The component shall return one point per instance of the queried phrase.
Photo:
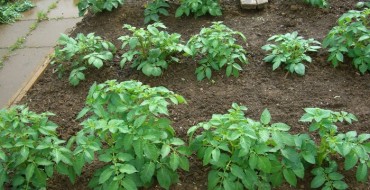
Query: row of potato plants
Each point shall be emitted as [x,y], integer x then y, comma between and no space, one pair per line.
[126,126]
[152,50]
[155,8]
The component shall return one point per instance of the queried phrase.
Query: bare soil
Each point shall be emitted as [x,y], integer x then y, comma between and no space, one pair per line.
[341,88]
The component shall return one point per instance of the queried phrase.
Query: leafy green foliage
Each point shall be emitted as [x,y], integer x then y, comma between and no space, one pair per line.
[97,5]
[30,150]
[351,38]
[361,5]
[217,44]
[150,50]
[81,53]
[354,149]
[153,9]
[11,11]
[329,177]
[199,8]
[139,142]
[247,154]
[290,50]
[317,3]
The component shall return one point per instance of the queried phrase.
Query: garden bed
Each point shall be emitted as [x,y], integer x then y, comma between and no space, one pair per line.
[257,87]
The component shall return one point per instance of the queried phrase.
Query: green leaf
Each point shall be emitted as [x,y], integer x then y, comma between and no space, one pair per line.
[177,142]
[139,121]
[339,56]
[290,177]
[213,179]
[163,178]
[129,184]
[216,154]
[127,168]
[340,185]
[17,180]
[147,172]
[335,176]
[277,179]
[253,161]
[151,151]
[124,157]
[29,171]
[299,69]
[208,73]
[43,161]
[105,175]
[265,117]
[264,164]
[229,69]
[237,171]
[78,163]
[361,173]
[281,126]
[184,163]
[24,152]
[2,155]
[317,181]
[107,157]
[174,161]
[40,178]
[309,157]
[228,185]
[350,161]
[165,150]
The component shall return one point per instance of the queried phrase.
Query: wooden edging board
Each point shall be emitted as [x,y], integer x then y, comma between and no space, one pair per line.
[17,97]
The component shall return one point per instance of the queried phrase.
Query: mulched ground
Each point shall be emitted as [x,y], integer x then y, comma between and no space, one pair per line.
[257,87]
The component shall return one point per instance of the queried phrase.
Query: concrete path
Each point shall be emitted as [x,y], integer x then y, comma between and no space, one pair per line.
[23,62]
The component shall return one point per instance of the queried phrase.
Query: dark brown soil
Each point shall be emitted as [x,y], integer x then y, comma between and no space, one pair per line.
[257,87]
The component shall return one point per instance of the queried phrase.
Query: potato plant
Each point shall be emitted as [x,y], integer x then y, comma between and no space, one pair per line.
[247,154]
[353,148]
[199,8]
[150,49]
[351,38]
[30,149]
[81,53]
[219,48]
[153,9]
[290,49]
[127,129]
[96,6]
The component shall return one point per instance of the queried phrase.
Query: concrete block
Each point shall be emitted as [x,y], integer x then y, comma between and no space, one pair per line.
[248,4]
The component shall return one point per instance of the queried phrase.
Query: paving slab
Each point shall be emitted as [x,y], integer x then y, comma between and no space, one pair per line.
[18,69]
[65,9]
[40,5]
[11,32]
[3,52]
[48,32]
